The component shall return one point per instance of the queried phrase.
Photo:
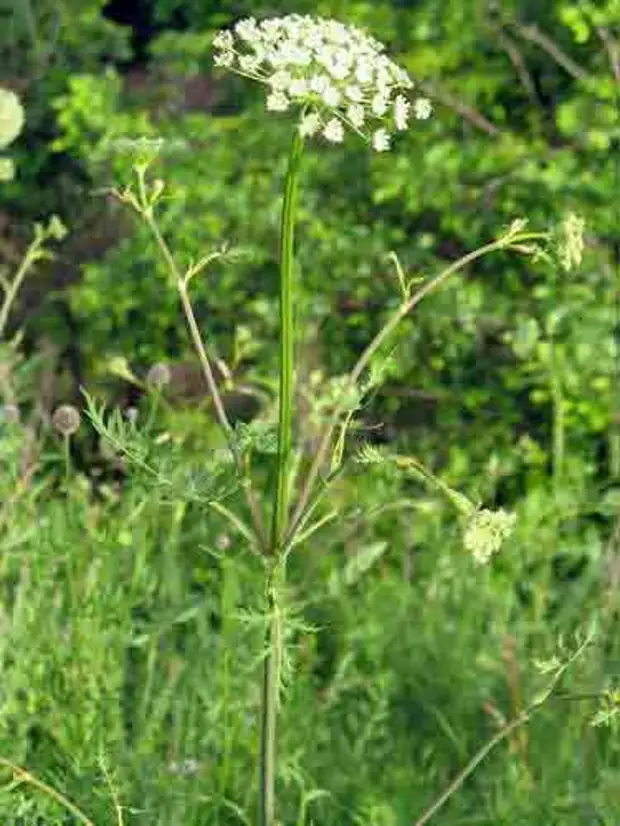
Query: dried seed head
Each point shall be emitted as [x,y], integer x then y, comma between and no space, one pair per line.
[159,376]
[335,75]
[66,420]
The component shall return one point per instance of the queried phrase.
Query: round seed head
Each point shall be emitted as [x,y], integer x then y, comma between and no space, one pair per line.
[66,420]
[159,375]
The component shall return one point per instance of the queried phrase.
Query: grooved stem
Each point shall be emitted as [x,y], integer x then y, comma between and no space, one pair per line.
[275,566]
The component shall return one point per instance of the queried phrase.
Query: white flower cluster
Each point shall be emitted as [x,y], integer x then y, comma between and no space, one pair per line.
[11,124]
[335,74]
[486,531]
[572,244]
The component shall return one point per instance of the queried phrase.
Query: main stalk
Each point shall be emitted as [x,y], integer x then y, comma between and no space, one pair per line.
[274,563]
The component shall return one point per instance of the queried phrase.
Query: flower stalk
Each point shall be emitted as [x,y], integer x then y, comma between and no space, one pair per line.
[275,567]
[287,343]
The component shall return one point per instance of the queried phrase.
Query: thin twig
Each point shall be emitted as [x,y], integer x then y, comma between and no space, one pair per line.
[502,734]
[612,47]
[465,110]
[236,522]
[520,66]
[24,776]
[533,33]
[115,798]
[474,762]
[205,363]
[11,289]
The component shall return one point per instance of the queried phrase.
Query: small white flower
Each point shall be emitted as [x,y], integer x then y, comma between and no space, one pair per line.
[333,131]
[381,140]
[249,63]
[379,104]
[223,40]
[280,81]
[278,102]
[355,114]
[384,76]
[298,87]
[422,108]
[401,112]
[319,83]
[224,59]
[354,93]
[331,97]
[295,55]
[309,125]
[247,29]
[338,65]
[363,72]
[315,40]
[336,32]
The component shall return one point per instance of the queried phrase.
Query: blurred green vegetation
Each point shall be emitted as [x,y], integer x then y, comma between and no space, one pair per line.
[126,621]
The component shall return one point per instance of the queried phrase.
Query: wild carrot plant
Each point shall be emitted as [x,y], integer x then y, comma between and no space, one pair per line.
[333,79]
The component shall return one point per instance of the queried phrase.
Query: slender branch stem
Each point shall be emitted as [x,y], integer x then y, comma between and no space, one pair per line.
[613,50]
[520,720]
[275,567]
[535,35]
[24,776]
[220,411]
[458,781]
[405,308]
[13,288]
[463,109]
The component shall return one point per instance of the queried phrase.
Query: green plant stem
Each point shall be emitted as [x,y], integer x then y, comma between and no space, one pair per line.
[12,289]
[67,459]
[220,411]
[509,240]
[270,699]
[458,781]
[521,720]
[287,341]
[275,568]
[559,423]
[23,776]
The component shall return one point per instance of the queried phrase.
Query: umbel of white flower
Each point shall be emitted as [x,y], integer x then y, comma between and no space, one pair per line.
[486,531]
[11,123]
[334,75]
